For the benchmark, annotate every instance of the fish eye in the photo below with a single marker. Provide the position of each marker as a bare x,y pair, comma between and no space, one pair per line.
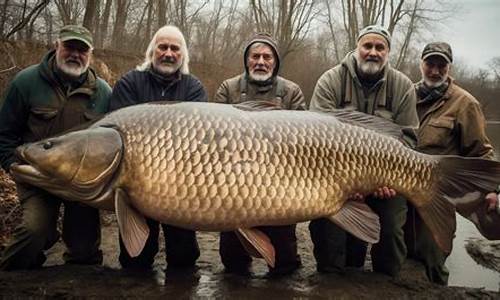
47,145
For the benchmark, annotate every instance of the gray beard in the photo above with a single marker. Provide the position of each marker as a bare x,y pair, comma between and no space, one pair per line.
433,84
369,67
70,69
259,77
167,69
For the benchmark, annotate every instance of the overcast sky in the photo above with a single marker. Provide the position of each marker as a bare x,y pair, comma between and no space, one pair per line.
474,34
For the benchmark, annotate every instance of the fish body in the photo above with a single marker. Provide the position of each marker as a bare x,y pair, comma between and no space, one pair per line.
215,167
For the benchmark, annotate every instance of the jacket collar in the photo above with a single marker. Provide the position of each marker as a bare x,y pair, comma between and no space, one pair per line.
88,84
350,63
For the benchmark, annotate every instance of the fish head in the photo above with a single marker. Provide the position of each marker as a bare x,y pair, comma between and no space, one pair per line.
77,166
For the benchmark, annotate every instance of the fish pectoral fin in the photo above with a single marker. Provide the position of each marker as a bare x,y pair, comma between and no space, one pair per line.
133,227
358,219
257,244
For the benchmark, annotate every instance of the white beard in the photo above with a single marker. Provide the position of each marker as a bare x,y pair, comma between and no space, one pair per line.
260,77
370,67
70,69
434,84
167,68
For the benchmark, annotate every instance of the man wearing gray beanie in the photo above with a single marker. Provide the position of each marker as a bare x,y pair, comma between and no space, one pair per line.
364,81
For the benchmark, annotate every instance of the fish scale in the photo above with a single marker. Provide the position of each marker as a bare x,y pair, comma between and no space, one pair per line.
216,167
311,160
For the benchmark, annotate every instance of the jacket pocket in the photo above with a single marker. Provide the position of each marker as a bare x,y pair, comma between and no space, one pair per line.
437,132
40,121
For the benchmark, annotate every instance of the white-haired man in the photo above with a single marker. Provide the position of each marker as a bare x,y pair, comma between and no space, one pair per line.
366,82
43,100
163,76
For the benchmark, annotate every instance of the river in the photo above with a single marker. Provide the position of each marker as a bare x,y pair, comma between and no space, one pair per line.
464,271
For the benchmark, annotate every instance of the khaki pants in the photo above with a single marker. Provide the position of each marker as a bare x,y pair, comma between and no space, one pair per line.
38,231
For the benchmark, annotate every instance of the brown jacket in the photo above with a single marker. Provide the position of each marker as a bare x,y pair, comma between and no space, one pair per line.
282,93
454,124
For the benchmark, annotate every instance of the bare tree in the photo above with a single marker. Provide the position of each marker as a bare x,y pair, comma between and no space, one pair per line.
90,15
119,31
29,14
404,19
102,30
288,21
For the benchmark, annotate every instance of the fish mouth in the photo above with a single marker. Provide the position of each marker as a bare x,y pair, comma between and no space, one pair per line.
91,192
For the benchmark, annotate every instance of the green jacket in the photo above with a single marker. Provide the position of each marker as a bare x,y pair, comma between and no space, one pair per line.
392,97
37,106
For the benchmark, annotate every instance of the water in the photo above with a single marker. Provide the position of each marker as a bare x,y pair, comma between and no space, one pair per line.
464,271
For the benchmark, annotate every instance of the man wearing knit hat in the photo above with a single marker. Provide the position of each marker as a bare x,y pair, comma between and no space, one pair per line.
261,87
43,100
365,81
451,123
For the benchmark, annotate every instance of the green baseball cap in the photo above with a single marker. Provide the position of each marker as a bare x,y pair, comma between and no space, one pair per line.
438,48
76,32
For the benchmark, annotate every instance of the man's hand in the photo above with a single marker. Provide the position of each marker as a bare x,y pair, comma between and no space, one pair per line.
384,193
492,202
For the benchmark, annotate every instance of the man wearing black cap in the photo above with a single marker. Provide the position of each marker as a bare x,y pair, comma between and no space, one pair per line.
261,87
364,81
44,100
451,123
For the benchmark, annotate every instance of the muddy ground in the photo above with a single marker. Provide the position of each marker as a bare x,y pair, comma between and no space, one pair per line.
209,281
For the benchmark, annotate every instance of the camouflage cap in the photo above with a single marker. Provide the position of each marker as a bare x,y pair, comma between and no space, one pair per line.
439,48
375,29
76,32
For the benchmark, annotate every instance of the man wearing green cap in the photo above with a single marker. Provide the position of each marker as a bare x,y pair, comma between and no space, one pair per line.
43,100
365,81
451,123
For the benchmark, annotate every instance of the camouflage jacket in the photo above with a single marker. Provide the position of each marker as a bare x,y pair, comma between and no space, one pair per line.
37,106
392,97
454,124
280,93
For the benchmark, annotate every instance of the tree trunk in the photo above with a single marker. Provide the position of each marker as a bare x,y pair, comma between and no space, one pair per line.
103,27
90,14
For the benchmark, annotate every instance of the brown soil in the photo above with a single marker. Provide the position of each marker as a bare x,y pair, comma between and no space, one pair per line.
209,281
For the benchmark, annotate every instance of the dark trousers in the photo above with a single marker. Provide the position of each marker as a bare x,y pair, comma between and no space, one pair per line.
181,248
335,249
235,258
81,231
422,247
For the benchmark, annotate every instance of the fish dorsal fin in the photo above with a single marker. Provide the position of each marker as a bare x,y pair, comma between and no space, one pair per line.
359,220
133,227
407,135
257,244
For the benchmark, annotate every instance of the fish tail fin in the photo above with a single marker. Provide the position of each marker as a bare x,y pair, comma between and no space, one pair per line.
460,183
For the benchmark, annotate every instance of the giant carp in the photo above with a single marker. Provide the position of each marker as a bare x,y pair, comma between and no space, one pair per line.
215,167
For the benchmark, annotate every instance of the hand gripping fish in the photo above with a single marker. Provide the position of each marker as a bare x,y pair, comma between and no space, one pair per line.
215,167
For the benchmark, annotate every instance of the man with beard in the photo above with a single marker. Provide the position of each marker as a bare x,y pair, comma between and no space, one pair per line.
44,100
163,76
451,123
364,81
261,87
